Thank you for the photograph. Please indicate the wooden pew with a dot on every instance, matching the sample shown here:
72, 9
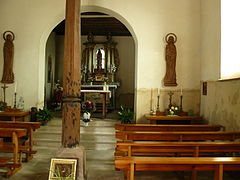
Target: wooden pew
27, 148
180, 148
176, 136
12, 164
218, 164
153, 127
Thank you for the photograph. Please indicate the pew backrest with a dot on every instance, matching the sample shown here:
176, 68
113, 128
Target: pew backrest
169, 148
176, 136
161, 128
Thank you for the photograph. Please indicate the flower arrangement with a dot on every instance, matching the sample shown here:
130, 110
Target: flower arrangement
88, 106
173, 110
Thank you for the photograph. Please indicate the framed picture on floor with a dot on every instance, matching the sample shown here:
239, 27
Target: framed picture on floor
62, 169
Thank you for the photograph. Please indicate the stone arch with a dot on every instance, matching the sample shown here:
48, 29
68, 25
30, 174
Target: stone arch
54, 22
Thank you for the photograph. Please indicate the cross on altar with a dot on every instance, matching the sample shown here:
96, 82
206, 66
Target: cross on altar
170, 97
4, 92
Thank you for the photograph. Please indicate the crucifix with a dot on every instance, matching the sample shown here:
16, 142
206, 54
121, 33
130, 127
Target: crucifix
170, 98
4, 87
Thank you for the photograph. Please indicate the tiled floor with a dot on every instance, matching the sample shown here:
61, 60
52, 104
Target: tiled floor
99, 142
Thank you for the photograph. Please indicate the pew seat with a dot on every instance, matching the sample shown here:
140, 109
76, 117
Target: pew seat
217, 164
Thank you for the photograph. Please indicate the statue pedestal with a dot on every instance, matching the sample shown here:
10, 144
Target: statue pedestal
75, 153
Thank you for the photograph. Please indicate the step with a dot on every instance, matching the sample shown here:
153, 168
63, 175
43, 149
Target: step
88, 145
86, 137
89, 129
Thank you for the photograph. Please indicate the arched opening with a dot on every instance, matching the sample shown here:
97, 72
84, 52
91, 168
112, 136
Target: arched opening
121, 79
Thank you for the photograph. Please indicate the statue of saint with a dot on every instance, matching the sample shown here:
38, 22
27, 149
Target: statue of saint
171, 54
8, 53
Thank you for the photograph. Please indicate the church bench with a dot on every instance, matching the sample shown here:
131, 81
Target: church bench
172, 148
218, 164
176, 136
153, 127
12, 164
27, 148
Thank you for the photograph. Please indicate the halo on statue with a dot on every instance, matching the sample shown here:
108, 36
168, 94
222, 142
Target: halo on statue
171, 34
8, 32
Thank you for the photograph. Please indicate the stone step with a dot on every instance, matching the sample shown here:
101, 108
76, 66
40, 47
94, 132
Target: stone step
88, 145
87, 137
94, 122
89, 129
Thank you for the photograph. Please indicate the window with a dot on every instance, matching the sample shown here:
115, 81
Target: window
230, 39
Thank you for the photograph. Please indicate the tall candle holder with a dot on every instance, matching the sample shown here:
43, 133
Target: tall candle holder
151, 108
158, 108
15, 101
180, 108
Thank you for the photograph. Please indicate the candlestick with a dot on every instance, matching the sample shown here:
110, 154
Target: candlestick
170, 98
180, 108
15, 90
158, 109
15, 101
151, 108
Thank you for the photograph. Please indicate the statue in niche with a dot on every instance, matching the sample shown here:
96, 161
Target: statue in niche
171, 54
8, 53
99, 59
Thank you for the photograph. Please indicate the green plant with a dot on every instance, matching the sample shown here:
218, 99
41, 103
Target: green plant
44, 115
125, 115
57, 175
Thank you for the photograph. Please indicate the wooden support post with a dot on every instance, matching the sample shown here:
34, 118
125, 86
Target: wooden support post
71, 76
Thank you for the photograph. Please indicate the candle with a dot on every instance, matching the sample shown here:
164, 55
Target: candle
15, 87
151, 100
158, 91
181, 91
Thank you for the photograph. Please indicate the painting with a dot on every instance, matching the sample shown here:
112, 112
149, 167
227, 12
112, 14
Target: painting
62, 169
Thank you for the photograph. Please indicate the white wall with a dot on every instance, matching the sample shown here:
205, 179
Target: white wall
148, 21
222, 103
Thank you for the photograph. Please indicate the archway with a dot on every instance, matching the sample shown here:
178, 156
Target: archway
91, 9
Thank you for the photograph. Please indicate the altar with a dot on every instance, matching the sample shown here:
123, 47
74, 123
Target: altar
99, 65
104, 96
154, 119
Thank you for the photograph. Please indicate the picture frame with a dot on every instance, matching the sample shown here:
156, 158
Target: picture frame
62, 169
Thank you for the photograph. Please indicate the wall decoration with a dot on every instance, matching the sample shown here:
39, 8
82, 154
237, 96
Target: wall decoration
8, 54
170, 55
62, 169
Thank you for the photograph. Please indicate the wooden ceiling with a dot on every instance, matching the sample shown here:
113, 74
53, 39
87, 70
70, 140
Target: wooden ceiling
98, 24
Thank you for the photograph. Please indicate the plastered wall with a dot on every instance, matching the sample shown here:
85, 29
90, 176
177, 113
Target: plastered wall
222, 103
148, 21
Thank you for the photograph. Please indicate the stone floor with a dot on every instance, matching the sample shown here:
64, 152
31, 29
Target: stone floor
99, 142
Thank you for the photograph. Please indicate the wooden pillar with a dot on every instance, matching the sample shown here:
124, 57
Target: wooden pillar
71, 76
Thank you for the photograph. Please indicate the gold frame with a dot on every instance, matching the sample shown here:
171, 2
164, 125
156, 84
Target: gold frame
69, 165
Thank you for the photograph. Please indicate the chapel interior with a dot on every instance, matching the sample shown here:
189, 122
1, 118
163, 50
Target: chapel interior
137, 90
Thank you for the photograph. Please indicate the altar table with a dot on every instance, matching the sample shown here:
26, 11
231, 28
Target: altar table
15, 116
154, 119
104, 95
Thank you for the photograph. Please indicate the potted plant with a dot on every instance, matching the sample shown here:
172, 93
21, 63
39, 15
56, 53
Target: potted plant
44, 115
125, 115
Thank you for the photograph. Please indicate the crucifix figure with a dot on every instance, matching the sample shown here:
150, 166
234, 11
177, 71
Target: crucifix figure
170, 98
4, 92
